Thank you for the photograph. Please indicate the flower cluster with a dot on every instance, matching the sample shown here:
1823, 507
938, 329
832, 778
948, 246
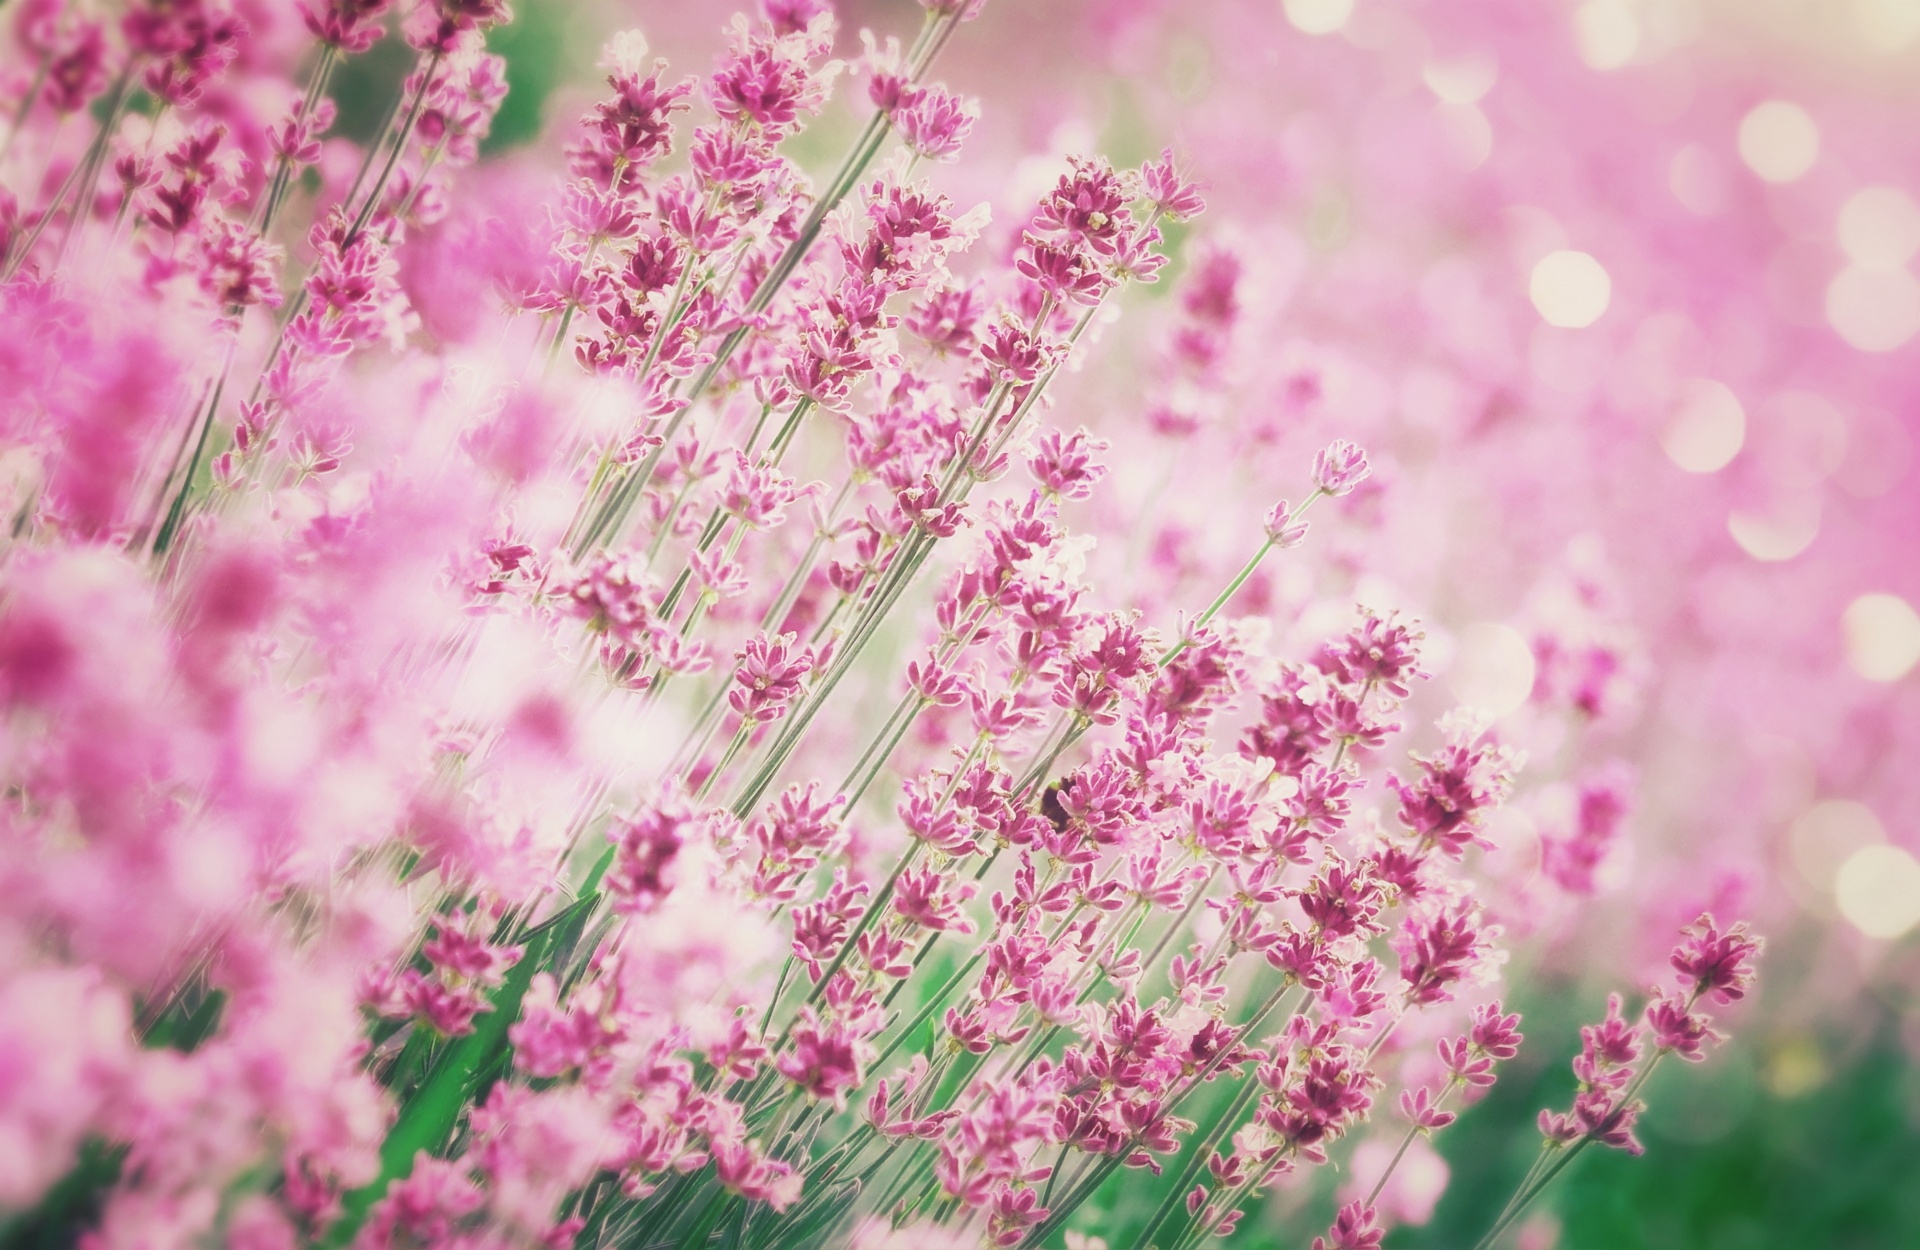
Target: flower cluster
1710, 964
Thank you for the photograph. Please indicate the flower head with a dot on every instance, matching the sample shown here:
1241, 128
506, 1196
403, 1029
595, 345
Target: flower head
1339, 468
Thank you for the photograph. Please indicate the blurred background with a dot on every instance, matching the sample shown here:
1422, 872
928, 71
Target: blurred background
1621, 296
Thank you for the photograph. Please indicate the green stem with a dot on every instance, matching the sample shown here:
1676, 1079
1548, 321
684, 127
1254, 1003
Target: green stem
1523, 1197
1239, 580
430, 1115
400, 139
177, 507
1225, 1124
283, 169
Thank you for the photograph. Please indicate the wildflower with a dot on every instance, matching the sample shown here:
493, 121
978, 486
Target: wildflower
825, 1061
1443, 807
1381, 653
439, 26
1284, 527
325, 669
1087, 206
1716, 964
1440, 949
647, 847
767, 677
1675, 1029
769, 82
626, 134
463, 967
933, 122
352, 26
1354, 1228
1339, 468
1171, 196
820, 929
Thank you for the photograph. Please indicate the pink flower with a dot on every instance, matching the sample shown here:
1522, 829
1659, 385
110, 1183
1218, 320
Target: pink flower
1381, 652
825, 1060
628, 132
440, 26
768, 82
1604, 1119
462, 967
77, 70
758, 494
1607, 1048
820, 929
646, 850
1418, 1105
427, 1206
933, 900
1354, 1228
1087, 206
353, 26
1494, 1034
933, 122
1339, 468
1714, 964
1284, 527
1438, 950
1066, 465
1445, 805
767, 677
1171, 195
1573, 858
1676, 1029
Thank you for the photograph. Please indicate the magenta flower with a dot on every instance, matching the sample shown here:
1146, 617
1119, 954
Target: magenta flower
1354, 1228
352, 26
647, 847
825, 1061
1674, 1028
1714, 964
1339, 468
933, 122
767, 675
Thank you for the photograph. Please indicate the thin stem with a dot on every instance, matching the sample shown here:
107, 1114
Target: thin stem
1523, 1197
393, 155
1413, 1131
27, 102
87, 166
1233, 587
1176, 1196
176, 509
283, 168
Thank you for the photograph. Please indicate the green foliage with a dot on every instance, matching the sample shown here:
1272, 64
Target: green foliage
70, 1207
540, 56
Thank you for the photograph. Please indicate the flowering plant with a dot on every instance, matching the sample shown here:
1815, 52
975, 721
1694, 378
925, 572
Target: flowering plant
594, 724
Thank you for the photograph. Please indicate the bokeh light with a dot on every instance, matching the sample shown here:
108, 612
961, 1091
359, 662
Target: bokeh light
1779, 141
1882, 634
1569, 289
1878, 891
1707, 428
